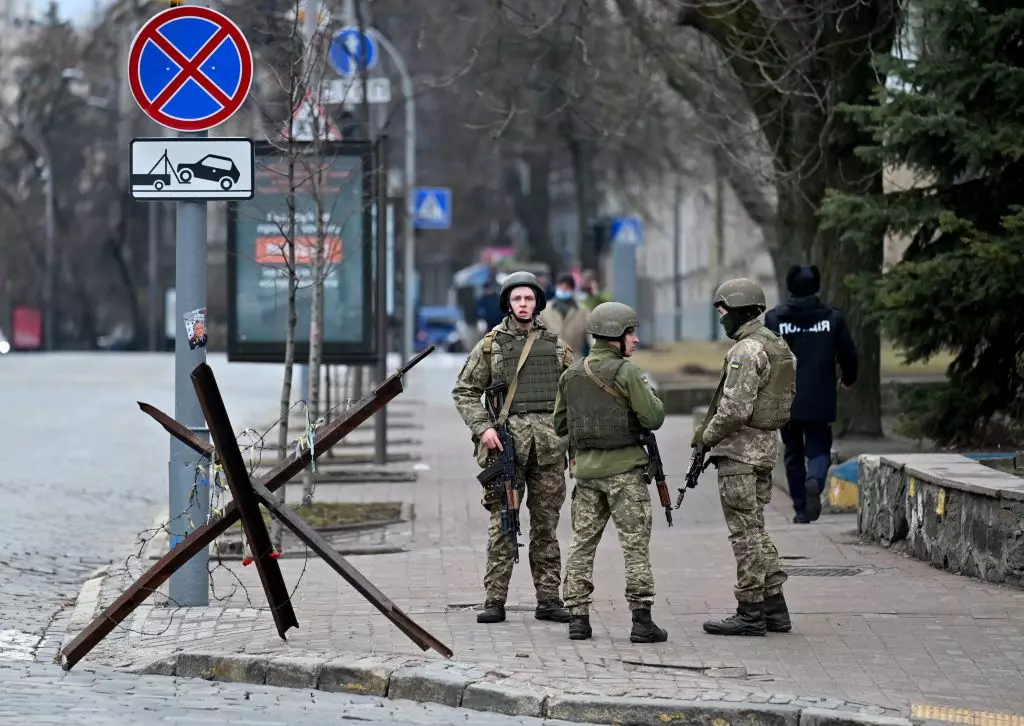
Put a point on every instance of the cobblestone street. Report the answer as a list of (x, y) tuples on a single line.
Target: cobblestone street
[(84, 473), (874, 632)]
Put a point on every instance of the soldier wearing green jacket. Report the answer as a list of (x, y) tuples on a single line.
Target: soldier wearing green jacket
[(603, 405)]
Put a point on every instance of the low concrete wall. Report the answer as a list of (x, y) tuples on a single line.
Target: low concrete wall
[(682, 398), (946, 509)]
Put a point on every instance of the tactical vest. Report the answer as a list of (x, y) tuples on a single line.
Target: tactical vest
[(598, 420), (771, 408), (538, 379)]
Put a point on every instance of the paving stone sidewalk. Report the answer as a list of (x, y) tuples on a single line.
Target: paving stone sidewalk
[(874, 633)]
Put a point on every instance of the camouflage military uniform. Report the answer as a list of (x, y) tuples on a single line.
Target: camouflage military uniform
[(756, 392), (604, 407), (540, 467)]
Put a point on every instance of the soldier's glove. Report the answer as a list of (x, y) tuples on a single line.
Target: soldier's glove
[(698, 434)]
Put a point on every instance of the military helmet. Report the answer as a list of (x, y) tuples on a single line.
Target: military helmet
[(611, 320), (521, 279), (740, 292)]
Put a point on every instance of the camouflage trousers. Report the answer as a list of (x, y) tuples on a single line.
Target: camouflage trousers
[(744, 494), (626, 500), (545, 494)]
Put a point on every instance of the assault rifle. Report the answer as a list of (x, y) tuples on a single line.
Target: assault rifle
[(656, 472), (697, 465), (500, 476)]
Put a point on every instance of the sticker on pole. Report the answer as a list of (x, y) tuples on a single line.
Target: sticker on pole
[(190, 68), (195, 328)]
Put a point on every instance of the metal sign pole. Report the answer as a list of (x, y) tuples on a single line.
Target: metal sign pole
[(190, 170), (189, 585), (380, 432)]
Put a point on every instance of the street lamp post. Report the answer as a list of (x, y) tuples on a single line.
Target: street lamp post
[(410, 184)]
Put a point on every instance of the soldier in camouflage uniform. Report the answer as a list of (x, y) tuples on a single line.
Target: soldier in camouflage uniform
[(603, 405), (753, 401), (540, 453)]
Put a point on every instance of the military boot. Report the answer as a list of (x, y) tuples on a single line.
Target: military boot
[(776, 614), (551, 609), (748, 620), (579, 627), (644, 630), (493, 612)]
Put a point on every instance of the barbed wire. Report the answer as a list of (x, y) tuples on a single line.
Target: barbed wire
[(209, 477)]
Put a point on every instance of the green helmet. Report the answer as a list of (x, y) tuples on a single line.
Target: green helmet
[(522, 279), (740, 292), (611, 320)]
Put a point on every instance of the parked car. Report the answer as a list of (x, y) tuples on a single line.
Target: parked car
[(442, 326)]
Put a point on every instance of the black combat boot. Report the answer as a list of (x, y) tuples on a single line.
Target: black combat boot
[(579, 627), (748, 620), (644, 630), (493, 612), (776, 614), (551, 609), (813, 505)]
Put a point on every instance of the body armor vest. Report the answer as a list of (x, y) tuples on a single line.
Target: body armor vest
[(598, 420), (771, 409), (538, 379)]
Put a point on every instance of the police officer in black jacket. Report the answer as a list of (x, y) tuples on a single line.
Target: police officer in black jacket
[(818, 336)]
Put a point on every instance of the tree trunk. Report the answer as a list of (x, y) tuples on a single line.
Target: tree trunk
[(582, 153), (533, 206), (316, 316), (284, 411)]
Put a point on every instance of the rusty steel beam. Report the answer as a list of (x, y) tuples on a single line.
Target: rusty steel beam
[(203, 535), (354, 577), (175, 429), (224, 442)]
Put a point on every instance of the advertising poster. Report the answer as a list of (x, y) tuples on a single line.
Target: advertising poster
[(335, 207)]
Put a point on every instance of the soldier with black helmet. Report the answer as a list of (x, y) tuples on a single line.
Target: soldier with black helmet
[(741, 430), (604, 404), (521, 353)]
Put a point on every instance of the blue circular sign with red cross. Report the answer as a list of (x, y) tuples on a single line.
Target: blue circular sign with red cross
[(190, 68)]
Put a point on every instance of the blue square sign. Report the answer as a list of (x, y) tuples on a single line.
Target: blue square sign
[(432, 208), (627, 231)]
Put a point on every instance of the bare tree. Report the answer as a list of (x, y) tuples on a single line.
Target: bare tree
[(98, 262), (283, 80), (554, 101), (796, 64)]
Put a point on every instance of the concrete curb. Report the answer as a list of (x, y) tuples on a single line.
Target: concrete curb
[(460, 684)]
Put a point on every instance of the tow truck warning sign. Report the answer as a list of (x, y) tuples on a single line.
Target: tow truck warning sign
[(181, 169)]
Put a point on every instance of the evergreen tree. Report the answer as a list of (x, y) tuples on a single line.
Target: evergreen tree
[(955, 118)]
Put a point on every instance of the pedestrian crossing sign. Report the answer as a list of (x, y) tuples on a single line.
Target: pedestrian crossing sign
[(627, 231), (432, 208)]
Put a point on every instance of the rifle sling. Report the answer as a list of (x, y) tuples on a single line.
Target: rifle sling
[(607, 389), (503, 415), (713, 406)]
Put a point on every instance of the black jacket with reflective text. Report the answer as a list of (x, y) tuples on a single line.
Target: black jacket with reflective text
[(820, 339)]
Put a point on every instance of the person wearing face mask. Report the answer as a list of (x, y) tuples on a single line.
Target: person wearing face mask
[(523, 354), (564, 317), (604, 405), (740, 429)]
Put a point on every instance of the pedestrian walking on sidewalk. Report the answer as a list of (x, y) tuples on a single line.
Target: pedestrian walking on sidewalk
[(604, 405), (529, 359), (820, 339), (752, 402)]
